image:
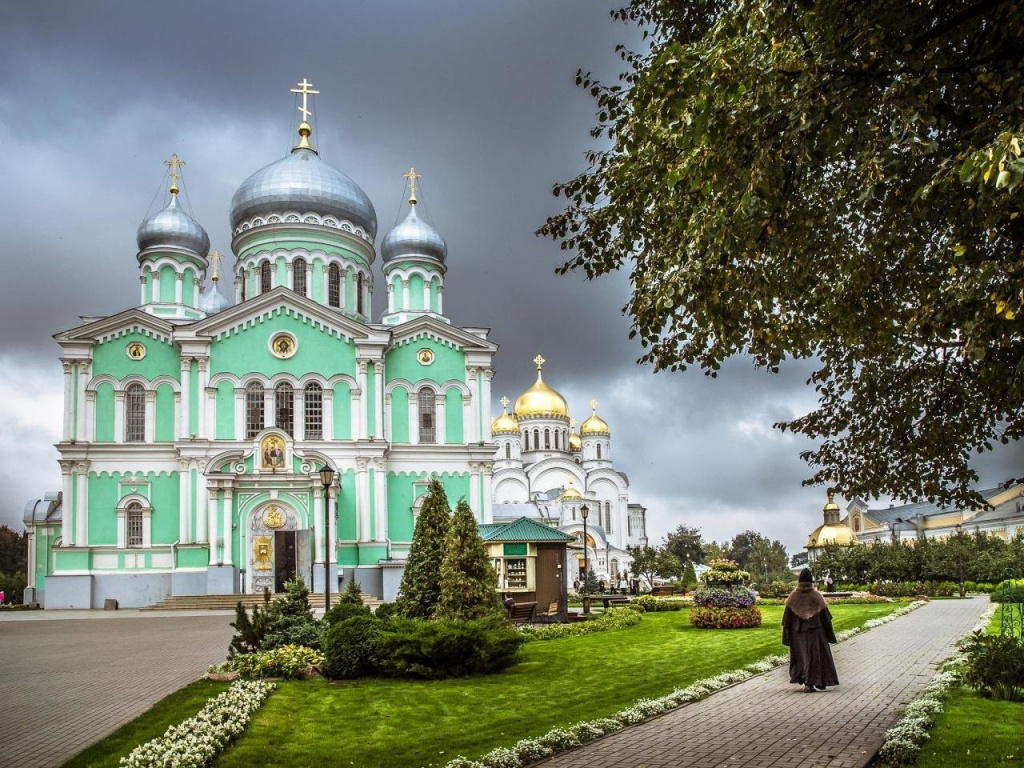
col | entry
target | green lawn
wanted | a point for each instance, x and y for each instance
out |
(178, 706)
(560, 682)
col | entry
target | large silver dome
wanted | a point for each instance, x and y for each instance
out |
(413, 237)
(213, 301)
(303, 183)
(173, 227)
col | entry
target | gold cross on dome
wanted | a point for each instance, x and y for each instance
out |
(539, 362)
(593, 405)
(572, 423)
(412, 176)
(215, 257)
(174, 164)
(306, 90)
(504, 403)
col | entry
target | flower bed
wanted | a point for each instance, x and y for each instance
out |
(290, 662)
(707, 617)
(654, 604)
(618, 619)
(904, 740)
(195, 742)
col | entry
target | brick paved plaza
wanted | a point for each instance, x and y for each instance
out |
(768, 722)
(68, 682)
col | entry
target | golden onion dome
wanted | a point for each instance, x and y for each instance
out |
(570, 493)
(505, 424)
(575, 443)
(594, 425)
(540, 400)
(832, 533)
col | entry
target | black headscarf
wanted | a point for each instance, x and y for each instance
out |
(805, 576)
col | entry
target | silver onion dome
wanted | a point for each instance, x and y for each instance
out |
(413, 237)
(304, 183)
(173, 227)
(213, 301)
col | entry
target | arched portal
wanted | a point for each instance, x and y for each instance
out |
(279, 551)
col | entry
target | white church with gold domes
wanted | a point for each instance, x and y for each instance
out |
(546, 471)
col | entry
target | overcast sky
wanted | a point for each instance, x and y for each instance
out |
(478, 95)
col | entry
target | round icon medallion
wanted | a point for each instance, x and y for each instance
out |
(283, 345)
(425, 356)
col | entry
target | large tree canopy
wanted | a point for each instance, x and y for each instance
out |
(835, 180)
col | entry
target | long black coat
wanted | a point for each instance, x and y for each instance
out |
(810, 658)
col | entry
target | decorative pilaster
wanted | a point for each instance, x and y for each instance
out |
(142, 290)
(440, 299)
(149, 428)
(331, 534)
(363, 531)
(239, 413)
(474, 489)
(361, 366)
(391, 298)
(486, 506)
(380, 499)
(69, 396)
(186, 398)
(474, 427)
(90, 416)
(414, 419)
(467, 413)
(228, 499)
(299, 414)
(119, 416)
(318, 523)
(82, 513)
(441, 416)
(203, 363)
(328, 395)
(83, 381)
(66, 468)
(378, 396)
(486, 374)
(202, 503)
(179, 281)
(212, 518)
(184, 501)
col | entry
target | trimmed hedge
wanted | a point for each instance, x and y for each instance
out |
(653, 604)
(618, 619)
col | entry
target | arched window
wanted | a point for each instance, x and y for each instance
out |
(359, 294)
(508, 450)
(536, 439)
(334, 285)
(426, 399)
(253, 409)
(547, 439)
(264, 276)
(133, 522)
(314, 404)
(243, 282)
(526, 439)
(608, 517)
(299, 276)
(134, 413)
(599, 450)
(574, 514)
(284, 407)
(558, 439)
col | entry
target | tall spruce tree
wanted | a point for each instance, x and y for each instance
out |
(467, 579)
(421, 582)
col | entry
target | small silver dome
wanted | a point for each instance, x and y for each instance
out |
(173, 227)
(304, 183)
(414, 237)
(213, 301)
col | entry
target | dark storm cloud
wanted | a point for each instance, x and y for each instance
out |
(479, 96)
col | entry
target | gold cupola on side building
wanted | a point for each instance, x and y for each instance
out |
(505, 424)
(575, 443)
(832, 531)
(594, 425)
(540, 400)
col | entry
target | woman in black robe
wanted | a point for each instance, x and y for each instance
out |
(807, 630)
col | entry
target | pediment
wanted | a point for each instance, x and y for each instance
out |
(427, 326)
(117, 325)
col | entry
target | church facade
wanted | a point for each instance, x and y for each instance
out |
(194, 427)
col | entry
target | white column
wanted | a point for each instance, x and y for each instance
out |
(388, 427)
(179, 279)
(186, 397)
(356, 418)
(66, 511)
(69, 396)
(212, 517)
(156, 286)
(343, 287)
(405, 294)
(299, 414)
(380, 500)
(391, 298)
(363, 532)
(474, 489)
(119, 416)
(328, 413)
(82, 520)
(323, 282)
(361, 369)
(318, 523)
(485, 403)
(378, 396)
(90, 416)
(440, 299)
(440, 417)
(239, 413)
(269, 411)
(414, 418)
(486, 511)
(149, 428)
(202, 503)
(204, 379)
(289, 275)
(83, 380)
(184, 500)
(142, 290)
(211, 413)
(467, 418)
(227, 526)
(474, 429)
(331, 534)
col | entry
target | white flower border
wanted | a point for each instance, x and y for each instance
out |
(903, 742)
(195, 742)
(527, 751)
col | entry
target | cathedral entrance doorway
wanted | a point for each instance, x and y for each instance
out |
(284, 559)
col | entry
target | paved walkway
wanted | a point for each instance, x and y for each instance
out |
(70, 678)
(768, 722)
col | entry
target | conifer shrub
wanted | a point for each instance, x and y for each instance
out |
(386, 610)
(291, 621)
(443, 648)
(352, 647)
(468, 582)
(353, 594)
(421, 580)
(250, 630)
(342, 611)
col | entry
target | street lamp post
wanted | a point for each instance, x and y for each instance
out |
(327, 479)
(584, 512)
(960, 556)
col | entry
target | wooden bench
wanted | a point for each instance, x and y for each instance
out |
(610, 600)
(522, 613)
(663, 591)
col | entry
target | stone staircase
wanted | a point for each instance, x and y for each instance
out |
(228, 602)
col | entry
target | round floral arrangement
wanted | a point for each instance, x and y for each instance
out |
(723, 603)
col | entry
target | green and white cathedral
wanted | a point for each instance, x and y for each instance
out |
(194, 427)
